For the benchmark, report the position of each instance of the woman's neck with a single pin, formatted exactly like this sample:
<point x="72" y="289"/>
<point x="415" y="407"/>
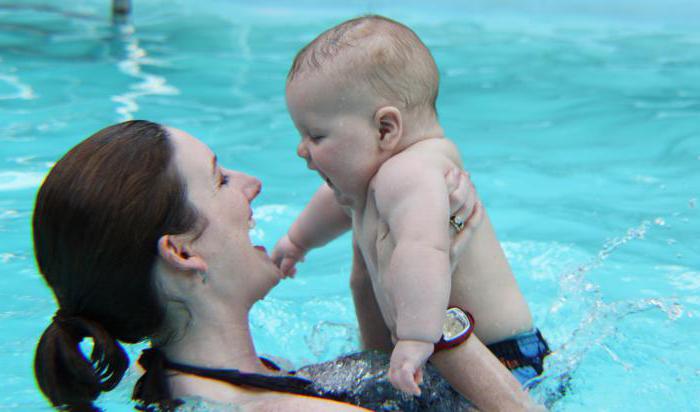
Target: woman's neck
<point x="216" y="342"/>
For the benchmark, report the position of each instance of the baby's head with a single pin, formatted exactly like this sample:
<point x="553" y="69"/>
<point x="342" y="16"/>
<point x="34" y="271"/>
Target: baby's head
<point x="357" y="93"/>
<point x="381" y="57"/>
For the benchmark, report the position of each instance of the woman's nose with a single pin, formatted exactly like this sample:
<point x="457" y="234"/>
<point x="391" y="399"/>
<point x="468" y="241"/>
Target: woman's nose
<point x="251" y="186"/>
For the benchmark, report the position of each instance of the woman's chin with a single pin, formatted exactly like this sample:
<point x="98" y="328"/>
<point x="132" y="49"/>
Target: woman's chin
<point x="270" y="269"/>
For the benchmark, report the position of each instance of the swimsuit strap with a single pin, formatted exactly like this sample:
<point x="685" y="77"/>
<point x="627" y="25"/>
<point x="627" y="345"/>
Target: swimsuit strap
<point x="152" y="386"/>
<point x="290" y="384"/>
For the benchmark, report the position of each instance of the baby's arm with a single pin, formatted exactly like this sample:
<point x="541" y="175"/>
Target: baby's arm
<point x="322" y="220"/>
<point x="463" y="204"/>
<point x="414" y="203"/>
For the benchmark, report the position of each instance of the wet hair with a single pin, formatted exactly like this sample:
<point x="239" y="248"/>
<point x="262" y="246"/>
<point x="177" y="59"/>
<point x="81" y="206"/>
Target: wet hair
<point x="384" y="54"/>
<point x="97" y="220"/>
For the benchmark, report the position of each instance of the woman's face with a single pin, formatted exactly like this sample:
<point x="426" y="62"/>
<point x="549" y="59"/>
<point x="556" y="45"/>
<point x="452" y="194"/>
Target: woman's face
<point x="236" y="269"/>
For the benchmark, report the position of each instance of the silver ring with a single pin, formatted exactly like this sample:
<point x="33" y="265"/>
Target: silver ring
<point x="457" y="223"/>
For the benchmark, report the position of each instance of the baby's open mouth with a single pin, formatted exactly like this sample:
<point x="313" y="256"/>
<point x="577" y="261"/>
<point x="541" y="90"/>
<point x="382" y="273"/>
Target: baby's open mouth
<point x="328" y="181"/>
<point x="251" y="226"/>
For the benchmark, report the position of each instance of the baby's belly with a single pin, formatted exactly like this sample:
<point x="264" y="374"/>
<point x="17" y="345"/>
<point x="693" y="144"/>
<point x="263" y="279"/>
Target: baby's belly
<point x="377" y="250"/>
<point x="387" y="308"/>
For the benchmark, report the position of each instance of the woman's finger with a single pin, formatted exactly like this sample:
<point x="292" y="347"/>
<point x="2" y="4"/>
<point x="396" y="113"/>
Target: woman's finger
<point x="452" y="179"/>
<point x="458" y="188"/>
<point x="462" y="196"/>
<point x="462" y="238"/>
<point x="473" y="220"/>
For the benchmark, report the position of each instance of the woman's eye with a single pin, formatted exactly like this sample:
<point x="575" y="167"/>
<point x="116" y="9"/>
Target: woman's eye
<point x="223" y="180"/>
<point x="316" y="138"/>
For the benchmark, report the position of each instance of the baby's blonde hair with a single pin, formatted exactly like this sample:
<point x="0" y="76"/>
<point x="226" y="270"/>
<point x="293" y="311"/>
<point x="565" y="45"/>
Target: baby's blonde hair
<point x="386" y="55"/>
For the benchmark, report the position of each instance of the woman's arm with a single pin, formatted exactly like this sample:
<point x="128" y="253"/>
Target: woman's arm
<point x="479" y="376"/>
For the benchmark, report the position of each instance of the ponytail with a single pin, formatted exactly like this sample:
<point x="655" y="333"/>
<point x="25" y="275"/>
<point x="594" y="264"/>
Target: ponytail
<point x="70" y="380"/>
<point x="96" y="224"/>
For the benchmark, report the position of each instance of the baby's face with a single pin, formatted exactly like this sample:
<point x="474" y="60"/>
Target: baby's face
<point x="339" y="137"/>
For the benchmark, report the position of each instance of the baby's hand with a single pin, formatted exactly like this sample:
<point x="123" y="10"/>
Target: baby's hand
<point x="406" y="365"/>
<point x="286" y="254"/>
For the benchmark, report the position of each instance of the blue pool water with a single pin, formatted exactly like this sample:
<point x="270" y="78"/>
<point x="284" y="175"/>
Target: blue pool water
<point x="580" y="125"/>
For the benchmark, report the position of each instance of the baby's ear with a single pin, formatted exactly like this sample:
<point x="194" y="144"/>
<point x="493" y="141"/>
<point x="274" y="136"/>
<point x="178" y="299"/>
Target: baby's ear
<point x="389" y="127"/>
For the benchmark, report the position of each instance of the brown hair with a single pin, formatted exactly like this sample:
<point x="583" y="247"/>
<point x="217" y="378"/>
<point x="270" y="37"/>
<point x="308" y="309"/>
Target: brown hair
<point x="97" y="219"/>
<point x="385" y="54"/>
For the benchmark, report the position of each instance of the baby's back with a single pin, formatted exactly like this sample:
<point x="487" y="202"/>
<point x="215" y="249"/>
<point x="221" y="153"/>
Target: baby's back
<point x="483" y="282"/>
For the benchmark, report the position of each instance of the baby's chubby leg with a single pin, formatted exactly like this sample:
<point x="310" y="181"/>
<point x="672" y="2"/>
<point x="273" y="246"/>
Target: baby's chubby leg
<point x="474" y="372"/>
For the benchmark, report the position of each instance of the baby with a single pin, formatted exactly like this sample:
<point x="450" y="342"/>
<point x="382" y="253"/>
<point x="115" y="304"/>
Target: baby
<point x="362" y="96"/>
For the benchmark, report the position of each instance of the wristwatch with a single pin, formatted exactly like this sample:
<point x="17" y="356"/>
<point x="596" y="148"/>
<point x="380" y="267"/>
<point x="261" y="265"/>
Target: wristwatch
<point x="458" y="326"/>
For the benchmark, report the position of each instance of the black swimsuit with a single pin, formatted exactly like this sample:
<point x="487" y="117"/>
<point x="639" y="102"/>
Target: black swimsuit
<point x="358" y="379"/>
<point x="152" y="387"/>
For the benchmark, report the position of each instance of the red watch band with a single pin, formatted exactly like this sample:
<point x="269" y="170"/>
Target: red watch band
<point x="443" y="343"/>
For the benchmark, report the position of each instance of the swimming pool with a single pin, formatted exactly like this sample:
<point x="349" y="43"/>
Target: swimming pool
<point x="580" y="125"/>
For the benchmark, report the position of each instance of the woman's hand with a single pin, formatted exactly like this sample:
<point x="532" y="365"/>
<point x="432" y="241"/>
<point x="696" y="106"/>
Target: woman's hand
<point x="466" y="211"/>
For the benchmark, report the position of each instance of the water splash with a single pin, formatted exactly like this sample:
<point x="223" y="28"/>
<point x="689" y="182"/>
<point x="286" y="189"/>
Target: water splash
<point x="600" y="320"/>
<point x="327" y="339"/>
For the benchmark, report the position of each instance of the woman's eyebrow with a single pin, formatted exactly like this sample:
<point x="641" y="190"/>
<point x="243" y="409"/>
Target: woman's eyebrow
<point x="214" y="166"/>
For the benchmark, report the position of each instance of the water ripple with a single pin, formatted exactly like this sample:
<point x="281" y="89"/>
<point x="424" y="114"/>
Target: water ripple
<point x="132" y="65"/>
<point x="12" y="180"/>
<point x="22" y="91"/>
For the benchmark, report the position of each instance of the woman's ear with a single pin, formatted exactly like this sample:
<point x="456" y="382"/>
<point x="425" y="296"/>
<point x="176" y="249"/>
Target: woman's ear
<point x="389" y="125"/>
<point x="175" y="251"/>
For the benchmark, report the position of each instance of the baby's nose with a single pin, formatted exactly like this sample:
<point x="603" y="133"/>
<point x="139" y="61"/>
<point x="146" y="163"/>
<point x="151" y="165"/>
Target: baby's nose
<point x="302" y="151"/>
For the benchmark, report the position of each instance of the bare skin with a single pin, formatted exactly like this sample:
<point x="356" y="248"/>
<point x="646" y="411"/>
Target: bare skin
<point x="201" y="280"/>
<point x="388" y="167"/>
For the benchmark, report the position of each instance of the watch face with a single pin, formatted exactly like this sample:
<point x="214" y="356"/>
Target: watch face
<point x="456" y="324"/>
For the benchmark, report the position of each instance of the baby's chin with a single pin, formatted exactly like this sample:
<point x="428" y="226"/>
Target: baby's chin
<point x="343" y="200"/>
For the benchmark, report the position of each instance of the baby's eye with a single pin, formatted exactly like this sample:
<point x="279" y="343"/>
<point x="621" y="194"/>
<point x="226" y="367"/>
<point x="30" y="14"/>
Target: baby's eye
<point x="223" y="180"/>
<point x="316" y="138"/>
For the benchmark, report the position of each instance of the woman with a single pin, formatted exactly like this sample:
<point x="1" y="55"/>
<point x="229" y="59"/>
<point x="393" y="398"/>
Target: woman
<point x="142" y="235"/>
